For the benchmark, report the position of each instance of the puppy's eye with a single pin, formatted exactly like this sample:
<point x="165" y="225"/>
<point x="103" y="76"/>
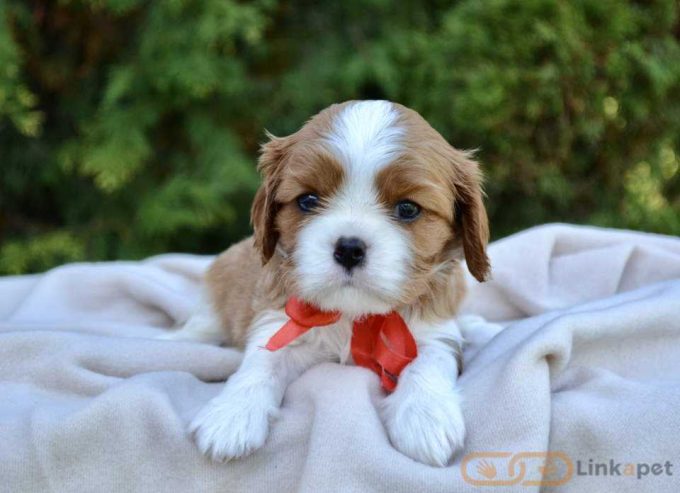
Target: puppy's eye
<point x="407" y="211"/>
<point x="307" y="202"/>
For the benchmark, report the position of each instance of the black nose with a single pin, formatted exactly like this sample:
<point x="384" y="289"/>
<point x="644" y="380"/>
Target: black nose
<point x="349" y="252"/>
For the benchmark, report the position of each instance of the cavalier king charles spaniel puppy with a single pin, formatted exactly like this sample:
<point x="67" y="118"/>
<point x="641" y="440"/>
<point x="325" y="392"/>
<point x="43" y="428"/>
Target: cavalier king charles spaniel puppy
<point x="366" y="210"/>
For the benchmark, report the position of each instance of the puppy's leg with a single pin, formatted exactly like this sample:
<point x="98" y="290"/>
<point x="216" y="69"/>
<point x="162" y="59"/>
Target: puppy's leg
<point x="423" y="415"/>
<point x="236" y="422"/>
<point x="203" y="325"/>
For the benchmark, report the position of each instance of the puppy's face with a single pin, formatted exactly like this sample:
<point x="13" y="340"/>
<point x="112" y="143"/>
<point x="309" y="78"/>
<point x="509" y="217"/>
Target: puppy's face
<point x="367" y="204"/>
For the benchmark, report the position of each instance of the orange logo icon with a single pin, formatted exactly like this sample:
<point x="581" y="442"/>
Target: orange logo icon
<point x="524" y="468"/>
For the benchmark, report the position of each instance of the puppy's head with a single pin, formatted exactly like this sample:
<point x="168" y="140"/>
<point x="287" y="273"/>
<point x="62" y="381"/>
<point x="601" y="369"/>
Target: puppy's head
<point x="367" y="203"/>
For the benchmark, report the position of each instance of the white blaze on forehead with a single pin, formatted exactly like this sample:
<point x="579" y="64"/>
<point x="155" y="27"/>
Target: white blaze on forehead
<point x="365" y="136"/>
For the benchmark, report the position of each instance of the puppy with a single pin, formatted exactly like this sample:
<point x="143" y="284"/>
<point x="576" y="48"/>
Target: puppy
<point x="365" y="210"/>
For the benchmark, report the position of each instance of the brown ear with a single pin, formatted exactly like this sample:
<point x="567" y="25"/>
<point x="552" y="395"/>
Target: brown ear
<point x="264" y="209"/>
<point x="471" y="221"/>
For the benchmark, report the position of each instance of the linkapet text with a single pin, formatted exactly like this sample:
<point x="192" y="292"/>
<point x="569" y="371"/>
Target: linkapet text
<point x="632" y="469"/>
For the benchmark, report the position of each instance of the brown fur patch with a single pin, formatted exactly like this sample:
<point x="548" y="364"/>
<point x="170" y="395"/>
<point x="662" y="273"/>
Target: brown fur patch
<point x="456" y="170"/>
<point x="231" y="281"/>
<point x="411" y="178"/>
<point x="296" y="162"/>
<point x="446" y="183"/>
<point x="311" y="170"/>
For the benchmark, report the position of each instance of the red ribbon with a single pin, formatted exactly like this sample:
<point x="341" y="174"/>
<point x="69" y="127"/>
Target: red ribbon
<point x="381" y="343"/>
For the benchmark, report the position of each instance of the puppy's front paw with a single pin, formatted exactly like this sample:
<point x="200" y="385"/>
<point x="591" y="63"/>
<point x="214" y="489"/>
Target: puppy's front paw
<point x="233" y="426"/>
<point x="429" y="429"/>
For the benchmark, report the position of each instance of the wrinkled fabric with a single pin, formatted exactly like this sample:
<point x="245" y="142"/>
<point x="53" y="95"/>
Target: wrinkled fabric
<point x="587" y="364"/>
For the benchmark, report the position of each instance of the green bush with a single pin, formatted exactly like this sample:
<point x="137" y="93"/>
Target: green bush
<point x="129" y="128"/>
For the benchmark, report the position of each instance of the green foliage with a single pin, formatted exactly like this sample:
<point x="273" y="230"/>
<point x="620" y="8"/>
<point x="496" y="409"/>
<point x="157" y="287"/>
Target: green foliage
<point x="39" y="252"/>
<point x="129" y="128"/>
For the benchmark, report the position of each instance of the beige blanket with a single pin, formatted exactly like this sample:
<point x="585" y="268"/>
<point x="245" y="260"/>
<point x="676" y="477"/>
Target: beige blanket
<point x="587" y="366"/>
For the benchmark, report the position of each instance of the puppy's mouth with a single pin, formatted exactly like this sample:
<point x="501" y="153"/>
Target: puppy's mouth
<point x="358" y="282"/>
<point x="352" y="298"/>
<point x="349" y="280"/>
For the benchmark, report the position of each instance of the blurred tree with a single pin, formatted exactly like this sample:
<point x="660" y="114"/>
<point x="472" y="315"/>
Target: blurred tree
<point x="129" y="128"/>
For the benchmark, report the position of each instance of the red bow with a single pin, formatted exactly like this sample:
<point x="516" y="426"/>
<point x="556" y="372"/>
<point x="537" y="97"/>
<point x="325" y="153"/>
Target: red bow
<point x="381" y="343"/>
